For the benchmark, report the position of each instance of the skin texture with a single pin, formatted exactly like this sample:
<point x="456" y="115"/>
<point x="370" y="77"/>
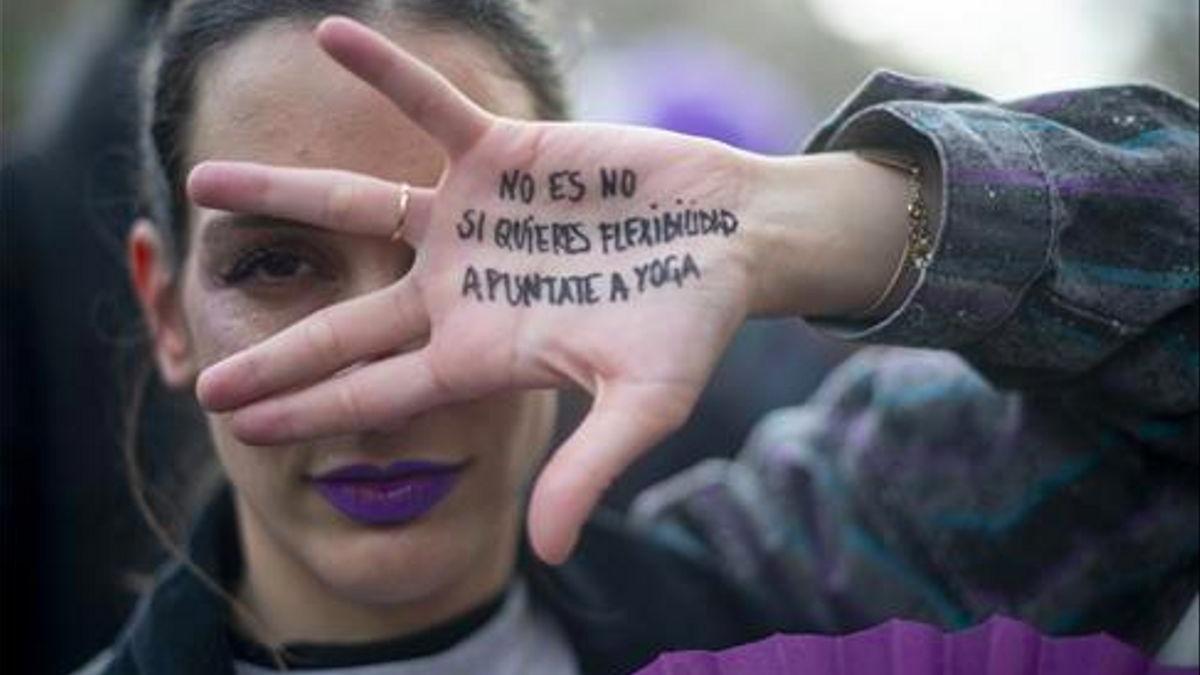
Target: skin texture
<point x="311" y="573"/>
<point x="818" y="236"/>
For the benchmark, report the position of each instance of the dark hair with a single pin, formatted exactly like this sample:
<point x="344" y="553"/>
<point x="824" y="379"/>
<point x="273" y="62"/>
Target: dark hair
<point x="194" y="29"/>
<point x="191" y="31"/>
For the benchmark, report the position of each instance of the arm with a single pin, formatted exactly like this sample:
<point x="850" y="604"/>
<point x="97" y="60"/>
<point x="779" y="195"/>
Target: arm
<point x="1066" y="264"/>
<point x="911" y="486"/>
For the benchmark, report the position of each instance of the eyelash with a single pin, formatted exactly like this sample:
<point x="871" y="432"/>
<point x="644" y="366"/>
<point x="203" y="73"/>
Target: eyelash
<point x="249" y="266"/>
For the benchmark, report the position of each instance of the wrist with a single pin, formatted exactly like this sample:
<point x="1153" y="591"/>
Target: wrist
<point x="824" y="234"/>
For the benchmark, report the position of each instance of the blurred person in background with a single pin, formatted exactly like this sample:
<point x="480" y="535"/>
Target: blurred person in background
<point x="72" y="537"/>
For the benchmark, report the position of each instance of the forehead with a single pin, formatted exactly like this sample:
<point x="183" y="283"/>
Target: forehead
<point x="274" y="97"/>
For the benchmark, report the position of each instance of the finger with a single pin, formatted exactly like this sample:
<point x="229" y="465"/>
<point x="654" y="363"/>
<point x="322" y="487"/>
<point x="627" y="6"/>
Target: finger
<point x="317" y="346"/>
<point x="425" y="97"/>
<point x="378" y="395"/>
<point x="624" y="422"/>
<point x="338" y="200"/>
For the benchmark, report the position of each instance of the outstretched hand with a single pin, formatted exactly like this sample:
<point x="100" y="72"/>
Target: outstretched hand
<point x="548" y="254"/>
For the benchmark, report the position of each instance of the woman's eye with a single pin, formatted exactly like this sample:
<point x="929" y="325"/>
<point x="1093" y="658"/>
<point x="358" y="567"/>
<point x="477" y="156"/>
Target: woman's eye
<point x="268" y="266"/>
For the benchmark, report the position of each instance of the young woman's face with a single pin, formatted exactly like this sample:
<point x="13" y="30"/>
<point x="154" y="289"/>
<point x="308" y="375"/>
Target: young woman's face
<point x="274" y="98"/>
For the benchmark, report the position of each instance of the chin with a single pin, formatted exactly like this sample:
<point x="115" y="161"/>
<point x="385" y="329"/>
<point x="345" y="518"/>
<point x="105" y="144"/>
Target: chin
<point x="382" y="565"/>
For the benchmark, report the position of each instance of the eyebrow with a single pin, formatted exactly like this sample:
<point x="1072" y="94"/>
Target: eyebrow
<point x="218" y="225"/>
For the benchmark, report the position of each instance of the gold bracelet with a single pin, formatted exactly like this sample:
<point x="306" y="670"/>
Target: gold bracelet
<point x="918" y="247"/>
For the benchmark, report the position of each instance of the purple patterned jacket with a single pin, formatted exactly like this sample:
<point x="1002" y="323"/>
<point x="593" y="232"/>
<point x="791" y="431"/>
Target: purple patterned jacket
<point x="1037" y="456"/>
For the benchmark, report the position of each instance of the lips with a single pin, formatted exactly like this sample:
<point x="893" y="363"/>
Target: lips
<point x="397" y="493"/>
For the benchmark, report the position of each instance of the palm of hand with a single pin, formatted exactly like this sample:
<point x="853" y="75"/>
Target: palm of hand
<point x="528" y="266"/>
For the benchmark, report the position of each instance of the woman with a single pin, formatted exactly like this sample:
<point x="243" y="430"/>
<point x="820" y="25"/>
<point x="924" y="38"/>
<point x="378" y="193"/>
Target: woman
<point x="302" y="549"/>
<point x="618" y="259"/>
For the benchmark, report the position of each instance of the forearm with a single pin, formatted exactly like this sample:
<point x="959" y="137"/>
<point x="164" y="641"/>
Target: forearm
<point x="1065" y="254"/>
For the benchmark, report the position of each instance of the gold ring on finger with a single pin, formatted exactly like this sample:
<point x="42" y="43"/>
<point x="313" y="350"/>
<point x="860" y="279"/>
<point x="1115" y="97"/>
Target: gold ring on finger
<point x="405" y="198"/>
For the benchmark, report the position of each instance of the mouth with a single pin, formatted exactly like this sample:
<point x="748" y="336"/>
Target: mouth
<point x="390" y="495"/>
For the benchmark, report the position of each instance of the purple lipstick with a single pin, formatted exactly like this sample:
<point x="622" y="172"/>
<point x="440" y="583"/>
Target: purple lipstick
<point x="389" y="495"/>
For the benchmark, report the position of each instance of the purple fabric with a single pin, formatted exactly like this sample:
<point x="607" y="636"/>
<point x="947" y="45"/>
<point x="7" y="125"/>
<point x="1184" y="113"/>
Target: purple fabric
<point x="1000" y="646"/>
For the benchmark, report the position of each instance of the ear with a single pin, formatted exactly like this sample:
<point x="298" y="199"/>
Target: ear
<point x="158" y="293"/>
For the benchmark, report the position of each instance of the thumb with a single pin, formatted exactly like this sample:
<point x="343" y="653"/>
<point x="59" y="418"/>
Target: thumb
<point x="625" y="421"/>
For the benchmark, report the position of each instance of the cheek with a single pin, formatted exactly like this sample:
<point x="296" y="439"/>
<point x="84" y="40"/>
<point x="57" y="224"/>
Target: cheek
<point x="223" y="320"/>
<point x="251" y="470"/>
<point x="222" y="323"/>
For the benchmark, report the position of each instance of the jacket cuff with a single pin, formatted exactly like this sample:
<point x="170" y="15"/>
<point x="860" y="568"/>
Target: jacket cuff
<point x="995" y="226"/>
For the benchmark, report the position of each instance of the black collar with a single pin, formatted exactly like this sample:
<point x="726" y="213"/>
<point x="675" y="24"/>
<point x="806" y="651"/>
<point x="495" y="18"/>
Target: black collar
<point x="318" y="656"/>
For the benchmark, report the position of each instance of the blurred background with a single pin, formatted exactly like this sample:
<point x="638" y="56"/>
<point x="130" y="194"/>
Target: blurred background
<point x="756" y="73"/>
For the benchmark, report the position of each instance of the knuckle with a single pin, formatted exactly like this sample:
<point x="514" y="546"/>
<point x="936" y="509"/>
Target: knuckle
<point x="341" y="203"/>
<point x="283" y="423"/>
<point x="249" y="375"/>
<point x="350" y="405"/>
<point x="323" y="339"/>
<point x="426" y="110"/>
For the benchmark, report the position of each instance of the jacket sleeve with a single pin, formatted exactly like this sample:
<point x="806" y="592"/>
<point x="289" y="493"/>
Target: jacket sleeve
<point x="1039" y="457"/>
<point x="1066" y="258"/>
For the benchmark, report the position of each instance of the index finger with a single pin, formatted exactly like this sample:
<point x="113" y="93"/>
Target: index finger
<point x="338" y="200"/>
<point x="425" y="97"/>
